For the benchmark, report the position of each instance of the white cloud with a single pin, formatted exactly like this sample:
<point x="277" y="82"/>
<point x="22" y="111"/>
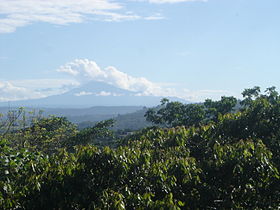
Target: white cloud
<point x="69" y="71"/>
<point x="156" y="16"/>
<point x="14" y="90"/>
<point x="101" y="93"/>
<point x="46" y="87"/>
<point x="9" y="92"/>
<point x="83" y="93"/>
<point x="45" y="83"/>
<point x="116" y="17"/>
<point x="172" y="1"/>
<point x="18" y="13"/>
<point x="86" y="70"/>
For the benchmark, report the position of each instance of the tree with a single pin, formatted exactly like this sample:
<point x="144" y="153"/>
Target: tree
<point x="231" y="162"/>
<point x="172" y="114"/>
<point x="49" y="134"/>
<point x="221" y="107"/>
<point x="249" y="94"/>
<point x="100" y="130"/>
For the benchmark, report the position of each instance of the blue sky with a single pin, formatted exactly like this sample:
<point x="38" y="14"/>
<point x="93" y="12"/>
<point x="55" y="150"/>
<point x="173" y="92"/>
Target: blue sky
<point x="190" y="49"/>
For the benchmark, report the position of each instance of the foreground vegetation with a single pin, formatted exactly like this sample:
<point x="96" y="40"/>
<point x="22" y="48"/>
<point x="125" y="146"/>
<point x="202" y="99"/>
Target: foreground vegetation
<point x="216" y="155"/>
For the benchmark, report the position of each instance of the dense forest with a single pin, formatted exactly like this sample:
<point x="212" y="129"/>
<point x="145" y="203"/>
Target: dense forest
<point x="221" y="154"/>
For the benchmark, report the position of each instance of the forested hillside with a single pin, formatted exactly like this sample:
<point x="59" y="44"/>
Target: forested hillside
<point x="200" y="156"/>
<point x="78" y="115"/>
<point x="130" y="121"/>
<point x="126" y="117"/>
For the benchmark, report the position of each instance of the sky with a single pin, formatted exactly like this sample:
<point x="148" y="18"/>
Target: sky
<point x="191" y="49"/>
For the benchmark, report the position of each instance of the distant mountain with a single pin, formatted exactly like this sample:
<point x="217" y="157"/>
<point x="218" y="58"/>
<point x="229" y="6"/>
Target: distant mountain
<point x="96" y="110"/>
<point x="78" y="115"/>
<point x="93" y="94"/>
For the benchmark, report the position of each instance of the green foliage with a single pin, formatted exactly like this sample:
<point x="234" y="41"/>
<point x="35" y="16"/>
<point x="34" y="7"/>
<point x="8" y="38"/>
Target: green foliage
<point x="129" y="121"/>
<point x="172" y="114"/>
<point x="42" y="134"/>
<point x="21" y="172"/>
<point x="89" y="135"/>
<point x="49" y="134"/>
<point x="222" y="107"/>
<point x="242" y="175"/>
<point x="224" y="160"/>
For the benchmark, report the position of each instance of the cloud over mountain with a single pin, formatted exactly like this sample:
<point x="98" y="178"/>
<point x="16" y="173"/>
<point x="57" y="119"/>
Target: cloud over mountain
<point x="85" y="70"/>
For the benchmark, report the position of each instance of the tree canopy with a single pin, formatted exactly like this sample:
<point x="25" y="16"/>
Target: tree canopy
<point x="172" y="114"/>
<point x="208" y="156"/>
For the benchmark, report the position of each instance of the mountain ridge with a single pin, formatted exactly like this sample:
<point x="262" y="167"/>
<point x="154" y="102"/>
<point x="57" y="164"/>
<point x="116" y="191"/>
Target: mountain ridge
<point x="93" y="94"/>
